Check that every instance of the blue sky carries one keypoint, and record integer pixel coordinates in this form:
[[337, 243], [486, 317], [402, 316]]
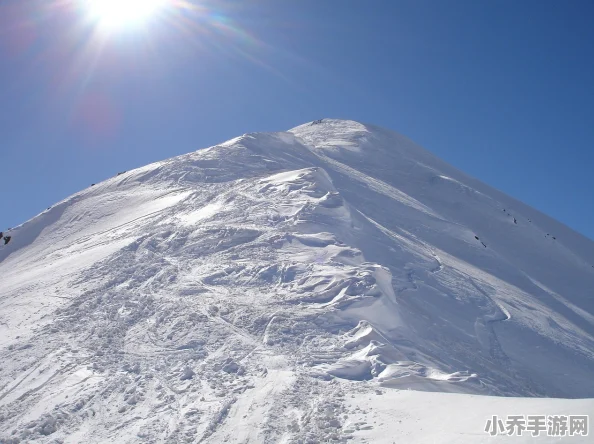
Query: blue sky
[[501, 89]]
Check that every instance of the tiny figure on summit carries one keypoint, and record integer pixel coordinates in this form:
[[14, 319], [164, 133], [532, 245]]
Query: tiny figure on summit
[[7, 239]]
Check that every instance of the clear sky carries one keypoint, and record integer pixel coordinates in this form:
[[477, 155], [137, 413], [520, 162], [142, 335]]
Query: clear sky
[[503, 90]]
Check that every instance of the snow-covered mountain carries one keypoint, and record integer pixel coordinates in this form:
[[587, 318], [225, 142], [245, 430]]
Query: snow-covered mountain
[[292, 287]]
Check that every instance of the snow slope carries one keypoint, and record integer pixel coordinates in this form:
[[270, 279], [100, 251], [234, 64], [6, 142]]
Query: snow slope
[[292, 287]]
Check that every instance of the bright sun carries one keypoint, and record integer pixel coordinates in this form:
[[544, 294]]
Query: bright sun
[[116, 13]]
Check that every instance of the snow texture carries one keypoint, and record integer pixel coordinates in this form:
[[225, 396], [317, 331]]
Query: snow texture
[[292, 287]]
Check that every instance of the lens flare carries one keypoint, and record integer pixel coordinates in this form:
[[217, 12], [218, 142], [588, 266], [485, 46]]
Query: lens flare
[[121, 13]]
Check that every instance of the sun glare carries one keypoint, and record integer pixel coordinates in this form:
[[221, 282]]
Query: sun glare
[[117, 13]]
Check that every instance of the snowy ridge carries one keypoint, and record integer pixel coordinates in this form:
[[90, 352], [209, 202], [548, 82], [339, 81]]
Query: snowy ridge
[[255, 290]]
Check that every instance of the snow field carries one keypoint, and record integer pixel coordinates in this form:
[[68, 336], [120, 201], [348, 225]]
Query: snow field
[[267, 289]]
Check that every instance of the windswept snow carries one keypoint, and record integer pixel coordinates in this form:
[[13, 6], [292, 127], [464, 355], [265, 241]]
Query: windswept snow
[[331, 283]]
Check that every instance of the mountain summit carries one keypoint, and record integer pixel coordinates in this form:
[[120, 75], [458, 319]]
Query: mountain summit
[[272, 287]]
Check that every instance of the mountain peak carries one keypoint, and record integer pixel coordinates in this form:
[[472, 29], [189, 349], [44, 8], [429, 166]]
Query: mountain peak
[[193, 298]]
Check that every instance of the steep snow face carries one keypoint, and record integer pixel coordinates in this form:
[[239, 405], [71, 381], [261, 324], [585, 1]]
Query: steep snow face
[[522, 281], [247, 291]]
